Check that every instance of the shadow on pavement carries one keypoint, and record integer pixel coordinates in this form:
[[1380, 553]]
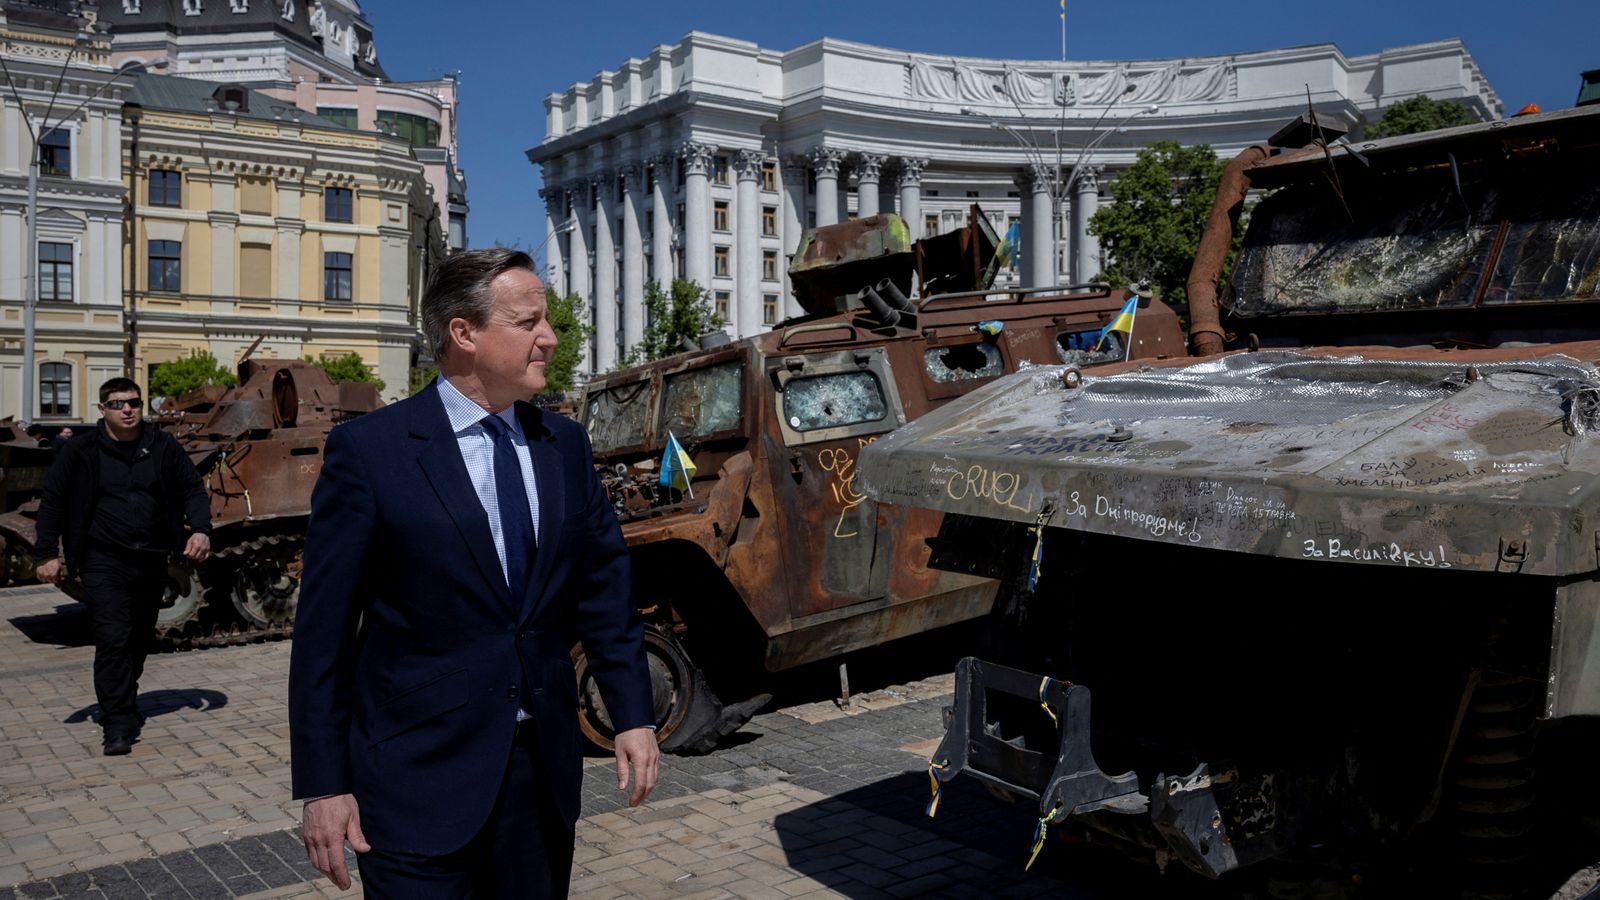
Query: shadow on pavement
[[159, 703], [67, 626], [877, 841]]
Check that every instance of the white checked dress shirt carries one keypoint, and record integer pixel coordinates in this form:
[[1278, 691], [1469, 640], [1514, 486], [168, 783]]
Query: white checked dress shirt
[[477, 451]]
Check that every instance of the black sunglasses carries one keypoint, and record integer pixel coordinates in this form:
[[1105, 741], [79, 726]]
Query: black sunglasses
[[118, 404]]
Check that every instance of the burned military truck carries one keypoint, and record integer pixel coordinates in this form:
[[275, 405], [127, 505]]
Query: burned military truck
[[771, 558], [1333, 587]]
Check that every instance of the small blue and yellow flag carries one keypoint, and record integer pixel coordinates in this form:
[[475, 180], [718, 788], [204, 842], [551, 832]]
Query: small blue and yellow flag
[[1010, 250], [677, 469], [1123, 321]]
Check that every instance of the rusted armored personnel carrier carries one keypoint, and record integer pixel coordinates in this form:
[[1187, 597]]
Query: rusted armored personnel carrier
[[1338, 606], [773, 559], [24, 459]]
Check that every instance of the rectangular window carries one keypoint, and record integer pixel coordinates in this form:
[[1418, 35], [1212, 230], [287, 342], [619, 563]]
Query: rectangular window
[[255, 196], [1012, 220], [343, 116], [338, 204], [55, 272], [166, 188], [972, 193], [166, 266], [683, 171], [834, 401], [719, 216], [722, 298], [650, 221], [769, 265], [930, 225], [55, 153], [769, 221], [720, 263], [622, 187], [650, 178], [255, 270], [719, 170], [811, 219], [55, 389], [769, 176], [679, 220], [336, 271], [420, 131], [811, 182], [769, 309]]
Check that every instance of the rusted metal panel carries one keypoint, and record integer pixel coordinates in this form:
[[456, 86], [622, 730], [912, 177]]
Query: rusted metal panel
[[1574, 685]]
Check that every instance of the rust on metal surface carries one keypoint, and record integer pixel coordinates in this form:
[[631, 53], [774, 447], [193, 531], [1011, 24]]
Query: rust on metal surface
[[1205, 326]]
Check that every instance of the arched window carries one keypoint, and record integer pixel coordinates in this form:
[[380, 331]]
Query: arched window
[[55, 389]]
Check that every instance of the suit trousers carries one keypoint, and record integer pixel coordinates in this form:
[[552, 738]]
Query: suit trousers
[[523, 851], [123, 593]]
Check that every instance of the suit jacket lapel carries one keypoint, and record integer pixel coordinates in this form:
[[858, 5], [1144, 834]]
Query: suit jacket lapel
[[552, 504], [440, 458]]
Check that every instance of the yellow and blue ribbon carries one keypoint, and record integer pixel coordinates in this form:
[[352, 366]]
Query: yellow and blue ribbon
[[1039, 832], [933, 783], [1043, 684]]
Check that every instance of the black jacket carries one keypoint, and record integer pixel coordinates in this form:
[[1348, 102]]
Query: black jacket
[[72, 486]]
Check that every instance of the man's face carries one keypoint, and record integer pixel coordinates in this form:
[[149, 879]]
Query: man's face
[[124, 419], [511, 350]]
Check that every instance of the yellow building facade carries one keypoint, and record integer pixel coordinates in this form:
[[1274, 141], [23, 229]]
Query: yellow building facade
[[251, 219]]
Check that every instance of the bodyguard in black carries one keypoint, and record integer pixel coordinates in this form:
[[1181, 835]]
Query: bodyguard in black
[[115, 504]]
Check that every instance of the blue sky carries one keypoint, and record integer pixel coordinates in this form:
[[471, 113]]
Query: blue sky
[[511, 54]]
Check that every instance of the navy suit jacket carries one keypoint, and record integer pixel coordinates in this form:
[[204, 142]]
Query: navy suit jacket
[[411, 656]]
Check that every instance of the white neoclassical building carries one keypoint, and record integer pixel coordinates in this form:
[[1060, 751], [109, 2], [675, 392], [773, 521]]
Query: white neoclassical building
[[707, 158]]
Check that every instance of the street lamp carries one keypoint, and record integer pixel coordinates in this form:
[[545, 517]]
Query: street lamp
[[563, 228], [37, 135]]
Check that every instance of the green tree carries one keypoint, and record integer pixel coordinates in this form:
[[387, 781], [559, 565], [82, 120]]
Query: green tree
[[349, 367], [174, 379], [1420, 114], [567, 316], [422, 376], [683, 312], [1152, 230]]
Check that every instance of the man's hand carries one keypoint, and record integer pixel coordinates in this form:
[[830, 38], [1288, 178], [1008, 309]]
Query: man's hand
[[49, 570], [199, 547], [636, 749], [328, 822]]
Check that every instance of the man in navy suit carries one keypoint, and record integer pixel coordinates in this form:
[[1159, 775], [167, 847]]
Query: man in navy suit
[[459, 542]]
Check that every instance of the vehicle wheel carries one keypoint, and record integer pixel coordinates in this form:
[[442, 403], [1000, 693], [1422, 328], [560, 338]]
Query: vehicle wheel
[[266, 586], [181, 601], [673, 688]]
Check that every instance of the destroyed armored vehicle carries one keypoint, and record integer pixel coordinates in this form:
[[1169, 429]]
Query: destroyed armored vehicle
[[25, 457], [1334, 587], [771, 558]]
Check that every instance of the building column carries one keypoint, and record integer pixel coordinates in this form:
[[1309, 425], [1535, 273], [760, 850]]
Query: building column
[[1085, 246], [1038, 229], [794, 202], [697, 211], [555, 209], [909, 180], [578, 282], [825, 162], [606, 327], [869, 168], [661, 231], [632, 255], [747, 243]]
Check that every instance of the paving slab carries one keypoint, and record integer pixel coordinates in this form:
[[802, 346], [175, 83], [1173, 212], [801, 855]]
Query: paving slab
[[814, 800]]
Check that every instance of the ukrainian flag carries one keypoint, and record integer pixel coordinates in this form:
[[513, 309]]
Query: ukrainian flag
[[677, 469], [1122, 322], [1010, 249]]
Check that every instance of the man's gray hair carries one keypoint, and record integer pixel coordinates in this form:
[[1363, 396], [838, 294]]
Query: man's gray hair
[[459, 289]]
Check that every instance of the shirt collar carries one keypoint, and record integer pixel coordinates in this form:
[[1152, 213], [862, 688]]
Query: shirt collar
[[464, 413]]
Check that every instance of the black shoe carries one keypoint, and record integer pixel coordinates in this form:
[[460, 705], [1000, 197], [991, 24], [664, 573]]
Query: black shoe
[[120, 745]]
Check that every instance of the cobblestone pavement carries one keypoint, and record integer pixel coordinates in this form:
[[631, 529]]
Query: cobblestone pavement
[[806, 801]]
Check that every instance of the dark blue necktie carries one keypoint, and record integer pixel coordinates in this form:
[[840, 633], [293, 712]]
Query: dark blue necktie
[[516, 522]]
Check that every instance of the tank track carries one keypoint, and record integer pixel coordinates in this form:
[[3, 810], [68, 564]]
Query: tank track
[[216, 623]]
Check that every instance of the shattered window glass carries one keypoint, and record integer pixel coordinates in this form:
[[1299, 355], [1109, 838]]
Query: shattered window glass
[[831, 401], [1552, 246], [964, 362], [702, 401], [1078, 348], [1410, 245], [617, 416]]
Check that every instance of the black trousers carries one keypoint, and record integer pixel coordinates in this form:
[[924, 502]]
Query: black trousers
[[523, 851], [123, 593]]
